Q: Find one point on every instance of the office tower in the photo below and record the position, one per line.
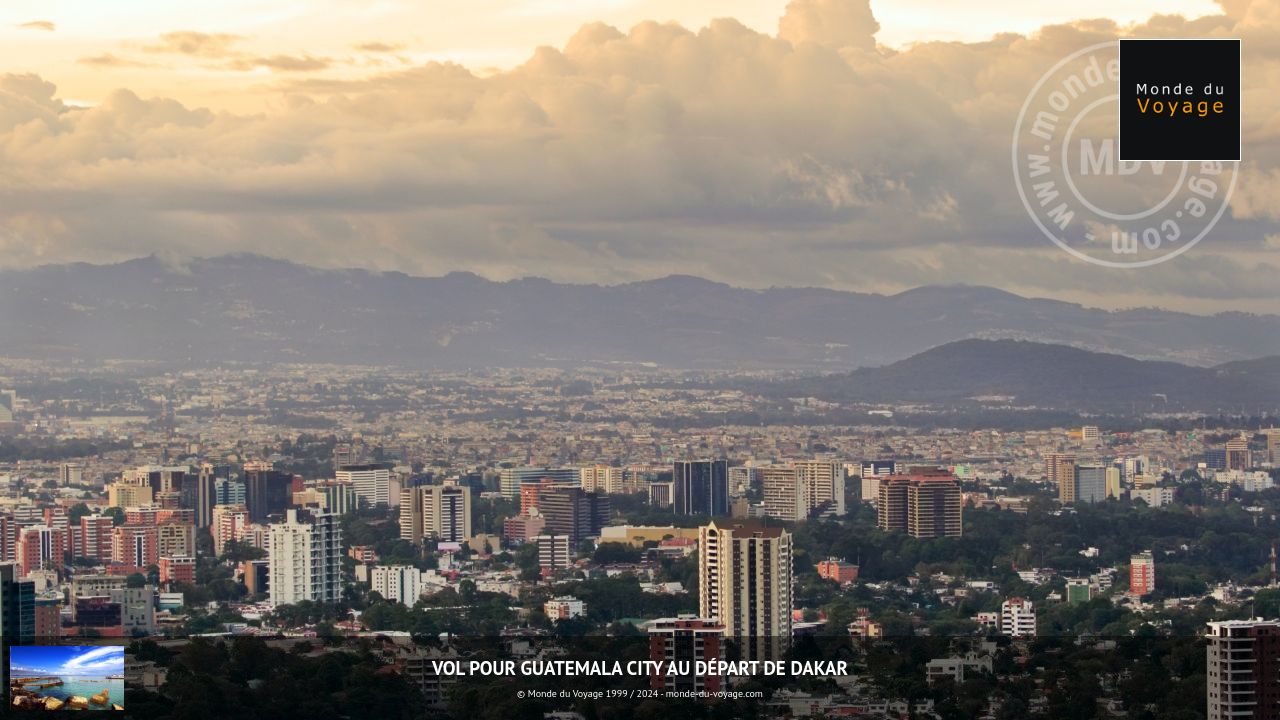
(510, 480)
(662, 494)
(601, 479)
(1018, 618)
(305, 557)
(213, 485)
(1242, 670)
(176, 539)
(70, 474)
(160, 478)
(531, 492)
(267, 491)
(1060, 472)
(1238, 454)
(95, 537)
(701, 487)
(522, 528)
(1273, 445)
(17, 613)
(1113, 476)
(330, 496)
(1091, 483)
(744, 584)
(230, 522)
(371, 482)
(825, 482)
(228, 492)
(1090, 435)
(1142, 574)
(554, 553)
(926, 504)
(135, 546)
(685, 639)
(785, 494)
(440, 512)
(123, 494)
(40, 546)
(573, 512)
(344, 454)
(398, 583)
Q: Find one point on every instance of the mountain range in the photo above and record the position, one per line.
(253, 308)
(993, 373)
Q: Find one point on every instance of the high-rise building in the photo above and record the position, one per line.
(744, 584)
(601, 478)
(925, 504)
(17, 613)
(123, 494)
(701, 487)
(510, 480)
(176, 539)
(230, 522)
(685, 639)
(1091, 483)
(1090, 435)
(1142, 574)
(135, 546)
(1060, 472)
(398, 583)
(95, 537)
(371, 481)
(1238, 454)
(554, 553)
(305, 559)
(662, 494)
(207, 488)
(329, 496)
(802, 490)
(1018, 618)
(442, 512)
(178, 569)
(70, 474)
(1273, 445)
(1242, 672)
(573, 512)
(267, 491)
(39, 547)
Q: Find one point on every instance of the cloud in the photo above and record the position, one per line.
(283, 63)
(44, 25)
(188, 42)
(105, 659)
(809, 157)
(379, 47)
(108, 60)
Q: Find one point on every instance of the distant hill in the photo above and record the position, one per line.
(976, 372)
(247, 307)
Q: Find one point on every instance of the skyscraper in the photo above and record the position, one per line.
(701, 487)
(925, 504)
(510, 480)
(1238, 454)
(441, 511)
(1060, 472)
(17, 613)
(305, 559)
(745, 576)
(573, 512)
(371, 481)
(206, 495)
(1091, 483)
(1242, 670)
(267, 491)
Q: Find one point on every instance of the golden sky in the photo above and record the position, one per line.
(818, 142)
(231, 53)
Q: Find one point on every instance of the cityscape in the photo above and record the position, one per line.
(613, 359)
(301, 508)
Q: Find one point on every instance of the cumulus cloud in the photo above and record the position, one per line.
(808, 157)
(199, 44)
(44, 25)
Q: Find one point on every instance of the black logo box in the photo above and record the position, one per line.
(1192, 63)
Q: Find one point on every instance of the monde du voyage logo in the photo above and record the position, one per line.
(1125, 153)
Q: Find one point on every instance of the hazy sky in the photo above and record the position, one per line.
(825, 142)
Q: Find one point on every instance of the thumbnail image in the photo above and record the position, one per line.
(66, 677)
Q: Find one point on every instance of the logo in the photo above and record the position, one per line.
(1082, 196)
